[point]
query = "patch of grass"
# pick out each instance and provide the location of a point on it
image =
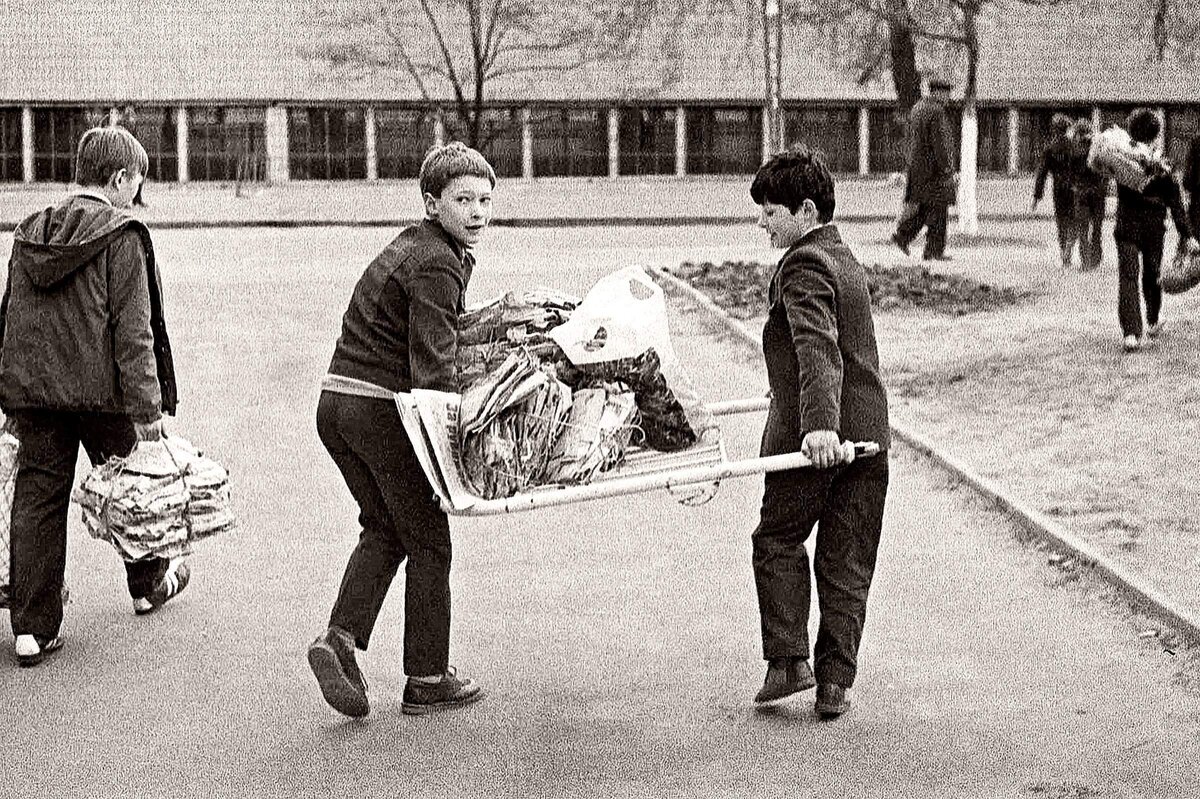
(741, 288)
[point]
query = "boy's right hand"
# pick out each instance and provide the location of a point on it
(149, 431)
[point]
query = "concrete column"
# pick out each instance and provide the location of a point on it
(766, 134)
(864, 140)
(278, 146)
(1014, 140)
(181, 142)
(1161, 143)
(27, 144)
(1096, 118)
(114, 117)
(526, 144)
(439, 131)
(614, 142)
(369, 141)
(680, 141)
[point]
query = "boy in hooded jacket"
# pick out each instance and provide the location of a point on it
(84, 359)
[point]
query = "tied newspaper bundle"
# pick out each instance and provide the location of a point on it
(579, 383)
(157, 501)
(8, 478)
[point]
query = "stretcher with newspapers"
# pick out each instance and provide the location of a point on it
(431, 420)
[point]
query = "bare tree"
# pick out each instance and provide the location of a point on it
(452, 51)
(1175, 27)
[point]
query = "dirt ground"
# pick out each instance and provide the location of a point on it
(1035, 391)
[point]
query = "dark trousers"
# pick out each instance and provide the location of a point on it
(933, 216)
(400, 520)
(1068, 232)
(1138, 264)
(1089, 223)
(847, 502)
(50, 443)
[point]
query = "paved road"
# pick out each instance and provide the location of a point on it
(618, 640)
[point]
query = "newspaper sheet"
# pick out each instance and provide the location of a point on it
(431, 420)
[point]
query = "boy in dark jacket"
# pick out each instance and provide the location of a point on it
(1139, 233)
(400, 333)
(84, 359)
(1056, 162)
(1091, 196)
(823, 371)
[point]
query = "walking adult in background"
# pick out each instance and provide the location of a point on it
(929, 192)
(1090, 196)
(1056, 162)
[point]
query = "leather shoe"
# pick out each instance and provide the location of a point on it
(785, 676)
(831, 700)
(331, 658)
(421, 698)
(942, 257)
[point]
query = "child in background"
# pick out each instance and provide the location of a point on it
(84, 359)
(400, 332)
(1140, 232)
(823, 371)
(1091, 196)
(1056, 162)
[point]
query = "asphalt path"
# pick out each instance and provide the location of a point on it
(618, 640)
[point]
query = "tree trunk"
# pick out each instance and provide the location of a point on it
(904, 66)
(968, 188)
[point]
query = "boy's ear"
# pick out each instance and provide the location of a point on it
(115, 177)
(431, 209)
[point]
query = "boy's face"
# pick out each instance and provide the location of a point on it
(463, 209)
(123, 186)
(784, 227)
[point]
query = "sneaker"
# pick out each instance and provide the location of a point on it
(832, 700)
(1156, 328)
(445, 694)
(1132, 343)
(331, 658)
(785, 677)
(33, 649)
(172, 584)
(899, 242)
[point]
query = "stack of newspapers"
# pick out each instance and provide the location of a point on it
(157, 501)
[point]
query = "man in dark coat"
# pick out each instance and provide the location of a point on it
(931, 185)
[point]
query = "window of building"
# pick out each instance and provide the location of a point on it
(833, 132)
(10, 145)
(646, 141)
(993, 140)
(56, 134)
(889, 150)
(154, 127)
(1033, 132)
(402, 137)
(1183, 125)
(227, 143)
(724, 140)
(569, 142)
(499, 138)
(327, 143)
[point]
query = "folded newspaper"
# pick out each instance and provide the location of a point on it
(158, 501)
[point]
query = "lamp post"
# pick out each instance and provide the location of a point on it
(773, 70)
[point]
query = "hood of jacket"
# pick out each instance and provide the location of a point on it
(52, 244)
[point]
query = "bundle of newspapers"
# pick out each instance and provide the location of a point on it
(158, 501)
(556, 389)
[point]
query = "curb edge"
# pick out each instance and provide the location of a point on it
(1141, 595)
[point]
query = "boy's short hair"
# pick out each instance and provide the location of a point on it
(790, 177)
(103, 151)
(446, 162)
(1143, 125)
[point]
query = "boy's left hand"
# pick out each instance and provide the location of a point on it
(823, 448)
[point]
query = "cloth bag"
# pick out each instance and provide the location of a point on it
(621, 319)
(1114, 154)
(1181, 274)
(8, 479)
